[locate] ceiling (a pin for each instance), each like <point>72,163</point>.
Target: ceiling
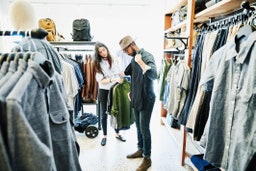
<point>94,2</point>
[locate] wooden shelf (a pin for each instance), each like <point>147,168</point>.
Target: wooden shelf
<point>221,8</point>
<point>177,6</point>
<point>178,26</point>
<point>171,50</point>
<point>167,22</point>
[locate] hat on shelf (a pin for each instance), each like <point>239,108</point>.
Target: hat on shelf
<point>126,41</point>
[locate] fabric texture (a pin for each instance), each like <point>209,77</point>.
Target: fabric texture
<point>141,84</point>
<point>28,121</point>
<point>230,130</point>
<point>121,108</point>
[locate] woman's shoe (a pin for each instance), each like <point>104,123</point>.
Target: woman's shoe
<point>121,138</point>
<point>103,141</point>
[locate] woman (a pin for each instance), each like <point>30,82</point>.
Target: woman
<point>108,73</point>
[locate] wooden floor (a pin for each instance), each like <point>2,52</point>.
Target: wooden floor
<point>112,157</point>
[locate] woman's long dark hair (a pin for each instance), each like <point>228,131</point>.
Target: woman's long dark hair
<point>98,58</point>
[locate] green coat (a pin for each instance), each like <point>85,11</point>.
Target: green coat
<point>121,106</point>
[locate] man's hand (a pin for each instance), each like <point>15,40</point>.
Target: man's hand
<point>138,58</point>
<point>141,63</point>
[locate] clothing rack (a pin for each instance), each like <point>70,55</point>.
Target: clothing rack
<point>23,71</point>
<point>85,49</point>
<point>239,16</point>
<point>38,33</point>
<point>75,46</point>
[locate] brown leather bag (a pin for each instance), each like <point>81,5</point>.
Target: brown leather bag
<point>49,25</point>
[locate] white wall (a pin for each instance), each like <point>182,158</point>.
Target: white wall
<point>109,23</point>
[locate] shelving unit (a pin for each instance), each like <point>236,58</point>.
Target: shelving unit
<point>178,26</point>
<point>177,5</point>
<point>219,9</point>
<point>188,24</point>
<point>75,45</point>
<point>222,8</point>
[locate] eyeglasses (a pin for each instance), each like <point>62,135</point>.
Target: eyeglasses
<point>126,49</point>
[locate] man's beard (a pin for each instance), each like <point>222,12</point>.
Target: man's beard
<point>134,54</point>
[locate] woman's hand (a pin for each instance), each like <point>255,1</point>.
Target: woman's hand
<point>121,74</point>
<point>119,80</point>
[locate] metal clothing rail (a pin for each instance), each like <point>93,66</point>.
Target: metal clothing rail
<point>241,15</point>
<point>74,46</point>
<point>37,33</point>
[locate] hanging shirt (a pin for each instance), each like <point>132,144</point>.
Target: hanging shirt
<point>180,76</point>
<point>142,87</point>
<point>28,121</point>
<point>66,159</point>
<point>231,126</point>
<point>121,107</point>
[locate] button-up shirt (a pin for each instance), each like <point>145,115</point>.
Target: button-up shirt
<point>108,73</point>
<point>142,87</point>
<point>232,130</point>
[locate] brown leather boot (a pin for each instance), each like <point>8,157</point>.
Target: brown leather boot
<point>137,154</point>
<point>146,163</point>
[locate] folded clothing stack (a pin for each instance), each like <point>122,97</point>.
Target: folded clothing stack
<point>201,164</point>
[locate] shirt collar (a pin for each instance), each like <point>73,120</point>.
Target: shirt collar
<point>141,50</point>
<point>43,73</point>
<point>243,53</point>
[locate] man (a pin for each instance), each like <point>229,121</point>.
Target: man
<point>143,72</point>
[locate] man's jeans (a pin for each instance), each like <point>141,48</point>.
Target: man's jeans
<point>142,120</point>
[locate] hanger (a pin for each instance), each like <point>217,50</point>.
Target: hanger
<point>18,56</point>
<point>27,56</point>
<point>28,33</point>
<point>32,56</point>
<point>249,23</point>
<point>3,58</point>
<point>2,32</point>
<point>252,19</point>
<point>10,57</point>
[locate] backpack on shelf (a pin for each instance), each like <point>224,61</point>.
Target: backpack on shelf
<point>81,30</point>
<point>49,25</point>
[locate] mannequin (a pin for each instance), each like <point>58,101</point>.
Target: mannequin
<point>22,15</point>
